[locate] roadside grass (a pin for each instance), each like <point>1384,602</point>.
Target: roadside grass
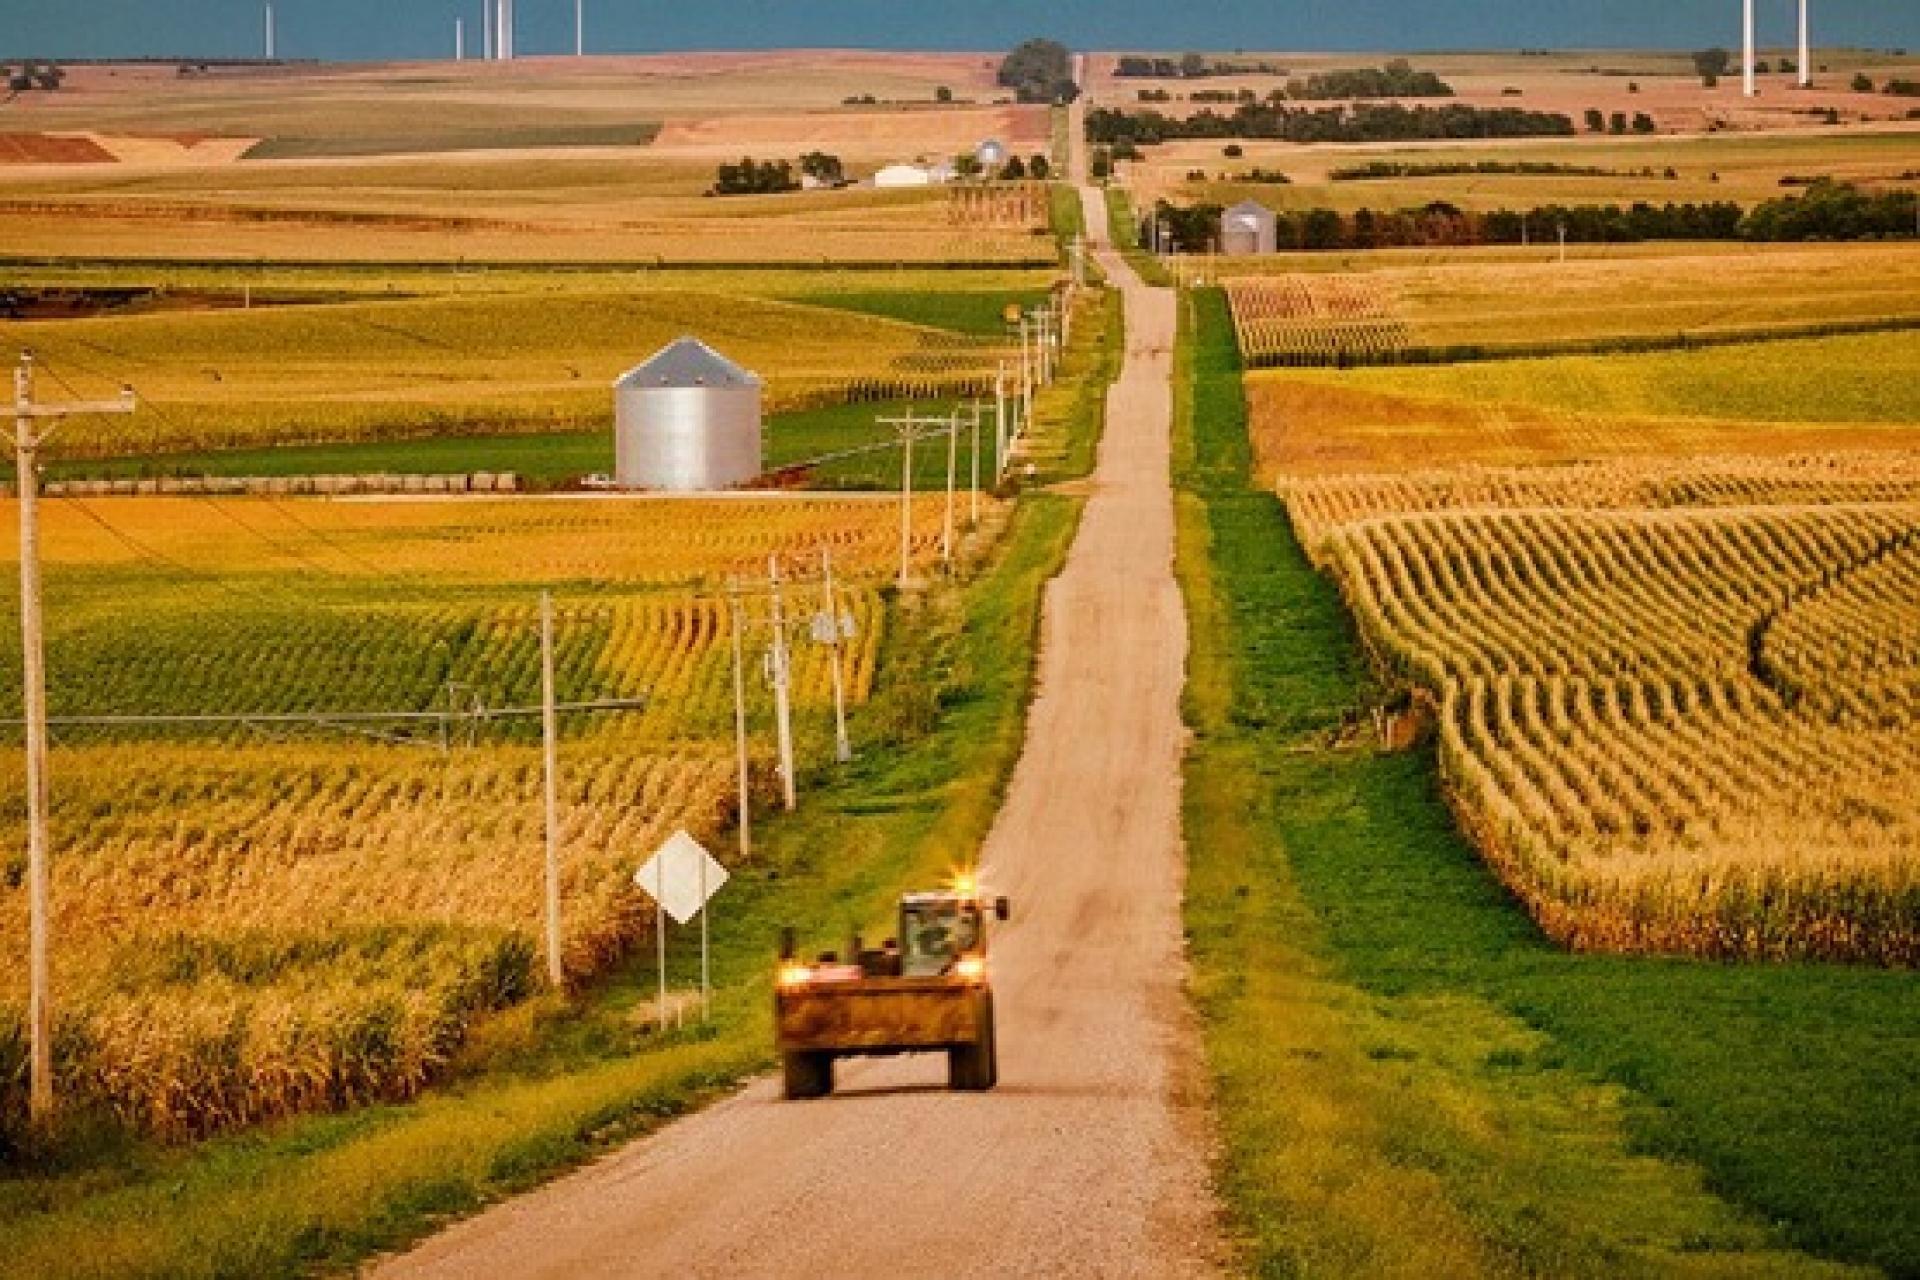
<point>1123,227</point>
<point>1410,1080</point>
<point>550,1084</point>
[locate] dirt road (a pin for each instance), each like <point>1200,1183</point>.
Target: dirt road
<point>1090,1158</point>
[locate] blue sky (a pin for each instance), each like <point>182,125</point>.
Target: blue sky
<point>423,28</point>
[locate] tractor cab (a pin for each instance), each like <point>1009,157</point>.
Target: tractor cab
<point>941,932</point>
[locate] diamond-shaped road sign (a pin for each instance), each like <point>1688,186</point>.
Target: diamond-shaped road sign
<point>682,877</point>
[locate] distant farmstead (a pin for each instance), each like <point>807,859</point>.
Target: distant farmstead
<point>914,175</point>
<point>687,421</point>
<point>1249,228</point>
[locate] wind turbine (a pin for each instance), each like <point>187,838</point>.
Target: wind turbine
<point>1746,66</point>
<point>269,33</point>
<point>1806,47</point>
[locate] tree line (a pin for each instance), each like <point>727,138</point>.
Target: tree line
<point>1359,122</point>
<point>1828,211</point>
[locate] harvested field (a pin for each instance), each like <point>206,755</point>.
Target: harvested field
<point>1487,302</point>
<point>1745,167</point>
<point>47,148</point>
<point>934,133</point>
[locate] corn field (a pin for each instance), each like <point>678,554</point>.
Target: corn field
<point>253,918</point>
<point>1678,705</point>
<point>1301,320</point>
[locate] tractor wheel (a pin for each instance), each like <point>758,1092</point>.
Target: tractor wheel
<point>976,1067</point>
<point>807,1075</point>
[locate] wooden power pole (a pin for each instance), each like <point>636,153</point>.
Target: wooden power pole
<point>782,682</point>
<point>550,759</point>
<point>743,781</point>
<point>842,745</point>
<point>27,442</point>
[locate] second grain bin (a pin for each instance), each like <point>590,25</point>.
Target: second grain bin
<point>686,421</point>
<point>1248,228</point>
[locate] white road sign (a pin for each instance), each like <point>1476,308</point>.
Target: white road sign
<point>682,877</point>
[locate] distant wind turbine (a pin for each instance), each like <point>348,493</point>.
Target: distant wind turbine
<point>269,33</point>
<point>1806,47</point>
<point>1747,85</point>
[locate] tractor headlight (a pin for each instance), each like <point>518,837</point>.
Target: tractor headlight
<point>795,975</point>
<point>972,968</point>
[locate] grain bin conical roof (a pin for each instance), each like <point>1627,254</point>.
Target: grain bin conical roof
<point>688,362</point>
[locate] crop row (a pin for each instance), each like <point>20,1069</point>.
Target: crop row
<point>1313,320</point>
<point>1690,728</point>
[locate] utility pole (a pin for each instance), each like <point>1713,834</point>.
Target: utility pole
<point>1563,244</point>
<point>27,442</point>
<point>953,461</point>
<point>999,422</point>
<point>782,712</point>
<point>973,491</point>
<point>908,428</point>
<point>740,723</point>
<point>550,762</point>
<point>842,745</point>
<point>1026,373</point>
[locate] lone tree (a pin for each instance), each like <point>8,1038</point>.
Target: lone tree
<point>1040,71</point>
<point>1712,64</point>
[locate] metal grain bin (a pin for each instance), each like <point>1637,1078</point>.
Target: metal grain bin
<point>686,421</point>
<point>1248,228</point>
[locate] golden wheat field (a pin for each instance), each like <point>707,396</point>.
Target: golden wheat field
<point>259,916</point>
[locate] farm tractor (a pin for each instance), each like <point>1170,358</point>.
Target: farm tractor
<point>925,991</point>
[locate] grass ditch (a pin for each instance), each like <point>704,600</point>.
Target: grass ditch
<point>1411,1080</point>
<point>1123,226</point>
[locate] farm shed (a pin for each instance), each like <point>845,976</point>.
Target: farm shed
<point>686,421</point>
<point>904,175</point>
<point>1248,228</point>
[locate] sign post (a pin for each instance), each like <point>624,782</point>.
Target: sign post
<point>681,878</point>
